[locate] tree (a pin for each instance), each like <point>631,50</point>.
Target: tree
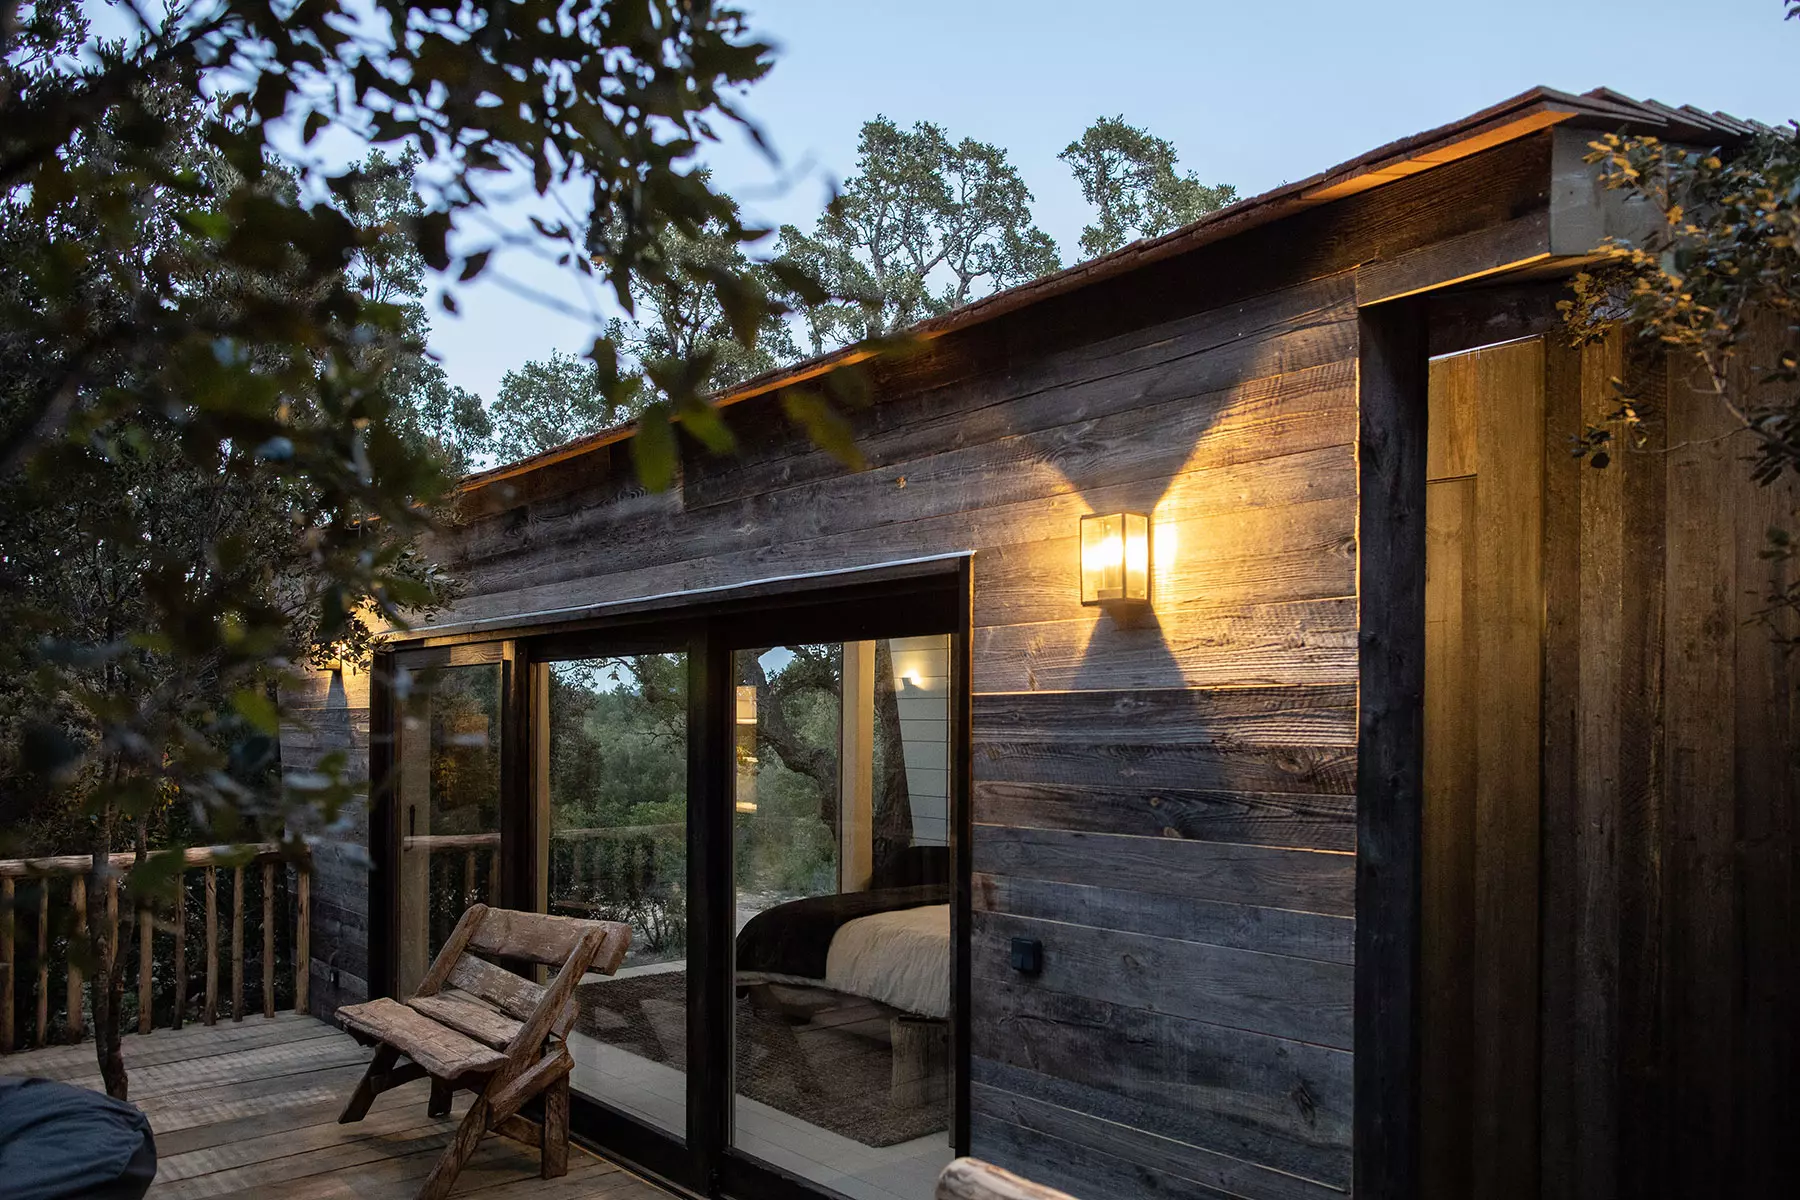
<point>923,226</point>
<point>177,307</point>
<point>430,412</point>
<point>551,401</point>
<point>687,332</point>
<point>1128,174</point>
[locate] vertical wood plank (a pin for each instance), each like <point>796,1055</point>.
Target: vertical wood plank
<point>493,896</point>
<point>1701,632</point>
<point>302,935</point>
<point>1594,913</point>
<point>210,1013</point>
<point>9,925</point>
<point>43,960</point>
<point>1767,796</point>
<point>1622,1083</point>
<point>1559,1127</point>
<point>237,943</point>
<point>1447,867</point>
<point>468,880</point>
<point>1391,453</point>
<point>181,979</point>
<point>1509,614</point>
<point>146,931</point>
<point>268,939</point>
<point>77,932</point>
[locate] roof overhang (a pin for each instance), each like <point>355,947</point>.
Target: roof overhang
<point>1510,120</point>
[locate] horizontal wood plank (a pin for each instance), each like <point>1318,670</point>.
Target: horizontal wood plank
<point>1216,922</point>
<point>1293,998</point>
<point>1313,821</point>
<point>1260,876</point>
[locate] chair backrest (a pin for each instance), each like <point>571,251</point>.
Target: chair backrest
<point>576,946</point>
<point>508,933</point>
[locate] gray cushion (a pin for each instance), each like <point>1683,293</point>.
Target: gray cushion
<point>58,1142</point>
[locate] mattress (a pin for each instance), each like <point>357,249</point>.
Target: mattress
<point>900,958</point>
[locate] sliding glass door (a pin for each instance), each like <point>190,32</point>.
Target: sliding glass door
<point>448,749</point>
<point>775,820</point>
<point>614,768</point>
<point>841,956</point>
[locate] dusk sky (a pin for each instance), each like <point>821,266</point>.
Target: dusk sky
<point>1251,94</point>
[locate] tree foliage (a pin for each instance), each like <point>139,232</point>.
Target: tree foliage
<point>196,323</point>
<point>924,225</point>
<point>550,401</point>
<point>1720,266</point>
<point>1129,176</point>
<point>433,414</point>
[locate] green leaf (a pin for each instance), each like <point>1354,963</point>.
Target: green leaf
<point>255,707</point>
<point>824,424</point>
<point>653,448</point>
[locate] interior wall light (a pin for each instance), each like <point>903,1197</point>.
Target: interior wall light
<point>1115,560</point>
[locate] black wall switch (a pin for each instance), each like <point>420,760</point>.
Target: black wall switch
<point>1027,955</point>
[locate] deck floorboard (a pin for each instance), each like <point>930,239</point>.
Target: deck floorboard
<point>250,1110</point>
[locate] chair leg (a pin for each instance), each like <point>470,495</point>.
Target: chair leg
<point>441,1091</point>
<point>554,1153</point>
<point>468,1136</point>
<point>364,1095</point>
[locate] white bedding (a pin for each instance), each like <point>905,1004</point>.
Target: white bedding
<point>900,958</point>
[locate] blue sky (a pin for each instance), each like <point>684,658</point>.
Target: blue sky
<point>1251,94</point>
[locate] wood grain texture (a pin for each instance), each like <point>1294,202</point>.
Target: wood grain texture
<point>1447,863</point>
<point>1220,923</point>
<point>1509,615</point>
<point>1192,1169</point>
<point>1293,998</point>
<point>1259,876</point>
<point>972,1179</point>
<point>1390,678</point>
<point>1312,821</point>
<point>1282,1104</point>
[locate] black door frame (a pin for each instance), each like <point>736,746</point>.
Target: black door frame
<point>850,606</point>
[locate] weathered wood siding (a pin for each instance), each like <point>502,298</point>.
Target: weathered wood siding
<point>1671,949</point>
<point>329,713</point>
<point>1168,808</point>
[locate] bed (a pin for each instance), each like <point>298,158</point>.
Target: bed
<point>889,943</point>
<point>872,964</point>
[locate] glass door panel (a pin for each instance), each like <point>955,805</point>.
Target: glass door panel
<point>615,766</point>
<point>841,870</point>
<point>448,758</point>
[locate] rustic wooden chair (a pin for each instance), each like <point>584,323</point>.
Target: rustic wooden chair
<point>492,1032</point>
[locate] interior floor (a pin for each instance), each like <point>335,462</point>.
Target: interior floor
<point>657,1094</point>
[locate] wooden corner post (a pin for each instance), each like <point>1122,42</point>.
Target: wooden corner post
<point>1391,469</point>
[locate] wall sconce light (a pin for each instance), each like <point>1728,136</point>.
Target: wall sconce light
<point>746,705</point>
<point>1115,560</point>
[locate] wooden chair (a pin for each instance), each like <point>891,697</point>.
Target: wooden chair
<point>495,1033</point>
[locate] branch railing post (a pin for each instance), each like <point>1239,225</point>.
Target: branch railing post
<point>99,925</point>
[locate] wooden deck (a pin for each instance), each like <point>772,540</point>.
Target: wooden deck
<point>250,1110</point>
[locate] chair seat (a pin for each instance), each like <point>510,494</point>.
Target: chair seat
<point>444,1052</point>
<point>469,1014</point>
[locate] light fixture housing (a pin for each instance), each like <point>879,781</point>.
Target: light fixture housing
<point>1115,560</point>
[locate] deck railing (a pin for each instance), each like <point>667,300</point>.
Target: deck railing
<point>69,875</point>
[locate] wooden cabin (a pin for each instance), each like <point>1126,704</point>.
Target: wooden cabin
<point>1429,831</point>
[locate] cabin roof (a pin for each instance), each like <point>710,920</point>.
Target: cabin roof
<point>1520,116</point>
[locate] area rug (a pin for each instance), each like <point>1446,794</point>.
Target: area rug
<point>835,1080</point>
